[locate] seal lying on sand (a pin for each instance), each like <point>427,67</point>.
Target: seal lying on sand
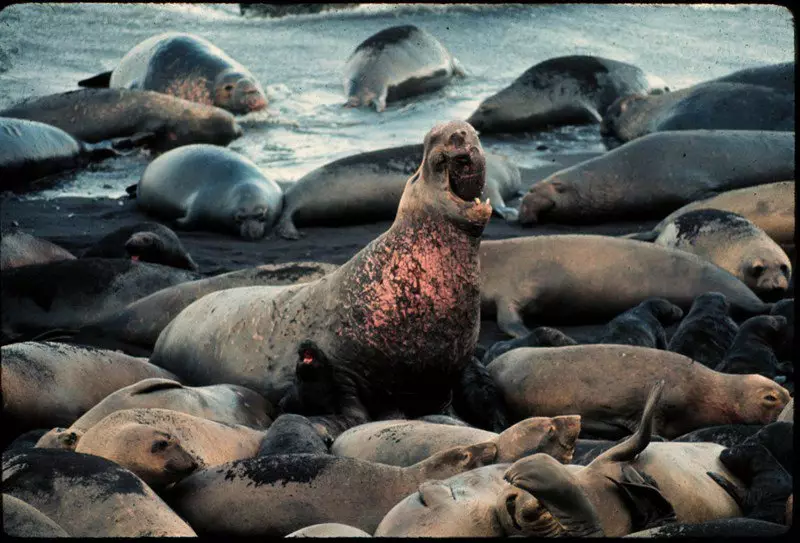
<point>585,277</point>
<point>562,90</point>
<point>164,122</point>
<point>396,63</point>
<point>146,242</point>
<point>659,173</point>
<point>186,66</point>
<point>368,186</point>
<point>399,321</point>
<point>203,186</point>
<point>19,249</point>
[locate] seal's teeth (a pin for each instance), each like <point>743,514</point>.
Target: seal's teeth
<point>477,200</point>
<point>488,201</point>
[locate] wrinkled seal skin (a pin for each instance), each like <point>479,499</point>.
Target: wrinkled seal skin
<point>368,186</point>
<point>189,67</point>
<point>711,106</point>
<point>147,242</point>
<point>399,321</point>
<point>207,187</point>
<point>396,63</point>
<point>89,496</point>
<point>19,249</point>
<point>93,115</point>
<point>559,91</point>
<point>707,331</point>
<point>21,519</point>
<point>594,278</point>
<point>658,173</point>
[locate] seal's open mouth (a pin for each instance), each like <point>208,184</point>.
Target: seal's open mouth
<point>466,176</point>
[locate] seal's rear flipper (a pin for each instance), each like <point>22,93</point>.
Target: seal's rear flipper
<point>99,81</point>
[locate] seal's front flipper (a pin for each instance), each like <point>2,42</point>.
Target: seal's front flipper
<point>508,213</point>
<point>509,319</point>
<point>99,81</point>
<point>286,228</point>
<point>729,487</point>
<point>645,502</point>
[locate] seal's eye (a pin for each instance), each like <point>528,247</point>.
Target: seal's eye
<point>229,87</point>
<point>757,271</point>
<point>159,446</point>
<point>770,398</point>
<point>784,269</point>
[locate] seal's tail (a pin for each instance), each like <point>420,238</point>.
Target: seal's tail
<point>636,443</point>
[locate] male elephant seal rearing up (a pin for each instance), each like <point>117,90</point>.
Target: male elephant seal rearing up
<point>399,321</point>
<point>395,63</point>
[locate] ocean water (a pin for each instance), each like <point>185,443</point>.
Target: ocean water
<point>47,48</point>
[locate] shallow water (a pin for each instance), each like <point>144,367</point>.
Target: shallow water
<point>47,48</point>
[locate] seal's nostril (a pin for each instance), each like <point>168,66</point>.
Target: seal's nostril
<point>458,138</point>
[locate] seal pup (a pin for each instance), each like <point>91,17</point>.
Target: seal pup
<point>697,396</point>
<point>21,519</point>
<point>396,63</point>
<point>785,309</point>
<point>163,122</point>
<point>278,494</point>
<point>18,249</point>
<point>400,319</point>
<point>707,331</point>
<point>542,336</point>
<point>753,348</point>
<point>146,242</point>
<point>561,91</point>
<point>734,244</point>
<point>206,187</point>
<point>642,325</point>
<point>89,496</point>
<point>611,185</point>
<point>580,278</point>
<point>368,187</point>
<point>189,67</point>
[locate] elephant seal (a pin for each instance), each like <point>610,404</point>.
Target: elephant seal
<point>203,186</point>
<point>30,151</point>
<point>396,63</point>
<point>785,309</point>
<point>707,106</point>
<point>294,434</point>
<point>24,520</point>
<point>697,396</point>
<point>146,242</point>
<point>226,404</point>
<point>186,66</point>
<point>676,168</point>
<point>580,278</point>
<point>52,384</point>
<point>276,495</point>
<point>721,528</point>
<point>404,443</point>
<point>89,496</point>
<point>71,293</point>
<point>787,415</point>
<point>60,438</point>
<point>734,244</point>
<point>163,446</point>
<point>93,115</point>
<point>707,331</point>
<point>727,435</point>
<point>559,91</point>
<point>775,76</point>
<point>753,348</point>
<point>19,249</point>
<point>329,529</point>
<point>642,325</point>
<point>399,321</point>
<point>769,207</point>
<point>368,186</point>
<point>542,336</point>
<point>778,438</point>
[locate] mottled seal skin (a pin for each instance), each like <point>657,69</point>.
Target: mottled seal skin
<point>727,435</point>
<point>93,115</point>
<point>89,496</point>
<point>227,404</point>
<point>400,319</point>
<point>276,495</point>
<point>21,519</point>
<point>30,151</point>
<point>404,443</point>
<point>695,396</point>
<point>368,187</point>
<point>707,331</point>
<point>186,66</point>
<point>734,244</point>
<point>71,293</point>
<point>721,528</point>
<point>396,63</point>
<point>562,90</point>
<point>206,187</point>
<point>139,323</point>
<point>51,384</point>
<point>588,278</point>
<point>769,207</point>
<point>753,348</point>
<point>643,325</point>
<point>708,106</point>
<point>329,529</point>
<point>147,242</point>
<point>676,168</point>
<point>542,336</point>
<point>18,249</point>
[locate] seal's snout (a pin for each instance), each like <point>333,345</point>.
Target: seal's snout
<point>252,229</point>
<point>458,138</point>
